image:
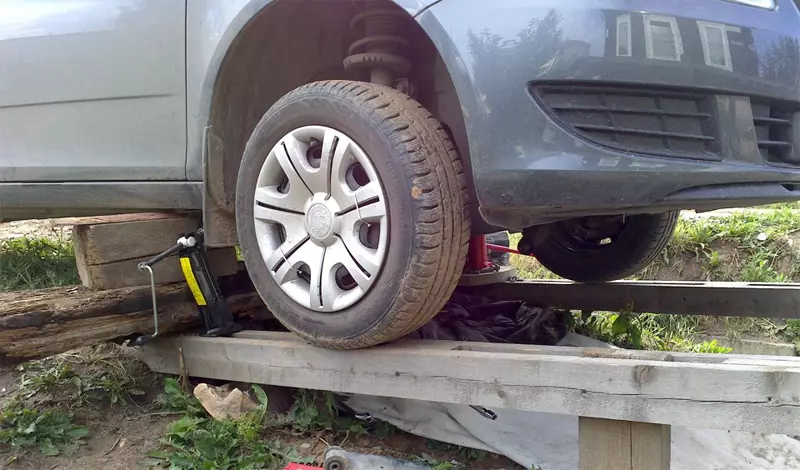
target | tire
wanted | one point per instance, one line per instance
(426, 223)
(641, 239)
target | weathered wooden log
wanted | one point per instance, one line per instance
(41, 323)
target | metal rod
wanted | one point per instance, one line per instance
(146, 267)
(729, 299)
(155, 259)
(504, 249)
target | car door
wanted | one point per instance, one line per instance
(92, 90)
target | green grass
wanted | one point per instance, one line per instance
(315, 410)
(746, 246)
(95, 374)
(758, 243)
(527, 267)
(651, 331)
(35, 263)
(198, 442)
(791, 331)
(466, 454)
(240, 443)
(174, 399)
(36, 416)
(436, 464)
(51, 431)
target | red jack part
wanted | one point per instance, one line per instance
(297, 466)
(478, 255)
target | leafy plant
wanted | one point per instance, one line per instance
(710, 347)
(315, 410)
(381, 429)
(197, 442)
(63, 383)
(758, 269)
(51, 431)
(791, 331)
(306, 416)
(203, 443)
(436, 464)
(176, 400)
(622, 329)
(465, 453)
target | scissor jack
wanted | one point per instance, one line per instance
(202, 283)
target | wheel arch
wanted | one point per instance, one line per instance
(270, 47)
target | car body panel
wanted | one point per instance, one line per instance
(524, 161)
(212, 27)
(92, 90)
(134, 81)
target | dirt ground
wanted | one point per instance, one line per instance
(121, 435)
(34, 228)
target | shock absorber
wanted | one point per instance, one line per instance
(379, 49)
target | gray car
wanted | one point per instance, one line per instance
(351, 147)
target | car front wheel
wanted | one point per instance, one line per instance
(351, 213)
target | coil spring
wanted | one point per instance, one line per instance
(378, 50)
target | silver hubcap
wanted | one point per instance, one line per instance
(321, 218)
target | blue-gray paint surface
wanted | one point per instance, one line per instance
(92, 90)
(522, 158)
(112, 90)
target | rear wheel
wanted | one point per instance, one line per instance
(600, 249)
(351, 212)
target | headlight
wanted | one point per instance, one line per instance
(768, 4)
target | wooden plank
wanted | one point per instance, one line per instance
(126, 274)
(685, 298)
(603, 352)
(107, 253)
(482, 279)
(756, 396)
(110, 219)
(651, 446)
(49, 321)
(110, 242)
(606, 444)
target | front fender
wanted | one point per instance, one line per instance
(212, 26)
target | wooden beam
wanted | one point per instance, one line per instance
(685, 298)
(606, 444)
(109, 219)
(503, 274)
(50, 321)
(109, 242)
(108, 250)
(125, 273)
(757, 394)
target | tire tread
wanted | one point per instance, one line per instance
(431, 163)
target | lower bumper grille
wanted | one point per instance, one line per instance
(666, 122)
(775, 132)
(648, 121)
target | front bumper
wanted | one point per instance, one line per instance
(659, 105)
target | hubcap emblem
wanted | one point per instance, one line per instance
(319, 221)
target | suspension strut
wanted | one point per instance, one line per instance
(379, 49)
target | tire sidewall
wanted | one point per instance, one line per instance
(366, 131)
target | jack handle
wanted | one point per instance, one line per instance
(183, 242)
(155, 259)
(140, 340)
